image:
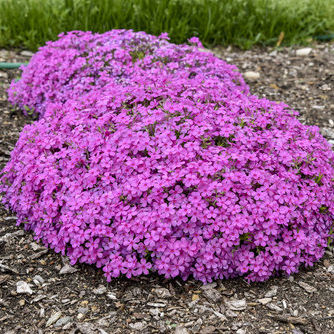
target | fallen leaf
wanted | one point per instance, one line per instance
(274, 86)
(280, 38)
(194, 297)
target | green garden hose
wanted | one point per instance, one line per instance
(324, 38)
(11, 65)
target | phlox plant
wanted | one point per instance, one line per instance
(80, 61)
(150, 163)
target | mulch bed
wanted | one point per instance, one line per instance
(57, 298)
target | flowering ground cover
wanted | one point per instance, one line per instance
(155, 157)
(79, 62)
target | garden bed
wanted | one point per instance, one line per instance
(124, 306)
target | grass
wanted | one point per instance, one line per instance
(30, 23)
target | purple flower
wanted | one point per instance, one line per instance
(150, 156)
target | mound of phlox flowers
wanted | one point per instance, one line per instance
(81, 61)
(152, 163)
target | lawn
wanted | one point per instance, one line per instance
(30, 23)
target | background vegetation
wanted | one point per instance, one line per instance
(30, 23)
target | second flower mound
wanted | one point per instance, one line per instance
(79, 62)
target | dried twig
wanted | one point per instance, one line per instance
(290, 320)
(4, 268)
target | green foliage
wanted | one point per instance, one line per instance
(318, 179)
(330, 240)
(323, 209)
(30, 23)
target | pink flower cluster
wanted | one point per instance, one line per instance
(154, 157)
(81, 61)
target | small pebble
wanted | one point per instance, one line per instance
(162, 293)
(63, 321)
(23, 287)
(38, 280)
(27, 53)
(237, 305)
(272, 292)
(83, 310)
(251, 75)
(303, 52)
(67, 269)
(100, 290)
(111, 296)
(181, 330)
(264, 301)
(138, 326)
(241, 331)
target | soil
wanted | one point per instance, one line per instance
(41, 293)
